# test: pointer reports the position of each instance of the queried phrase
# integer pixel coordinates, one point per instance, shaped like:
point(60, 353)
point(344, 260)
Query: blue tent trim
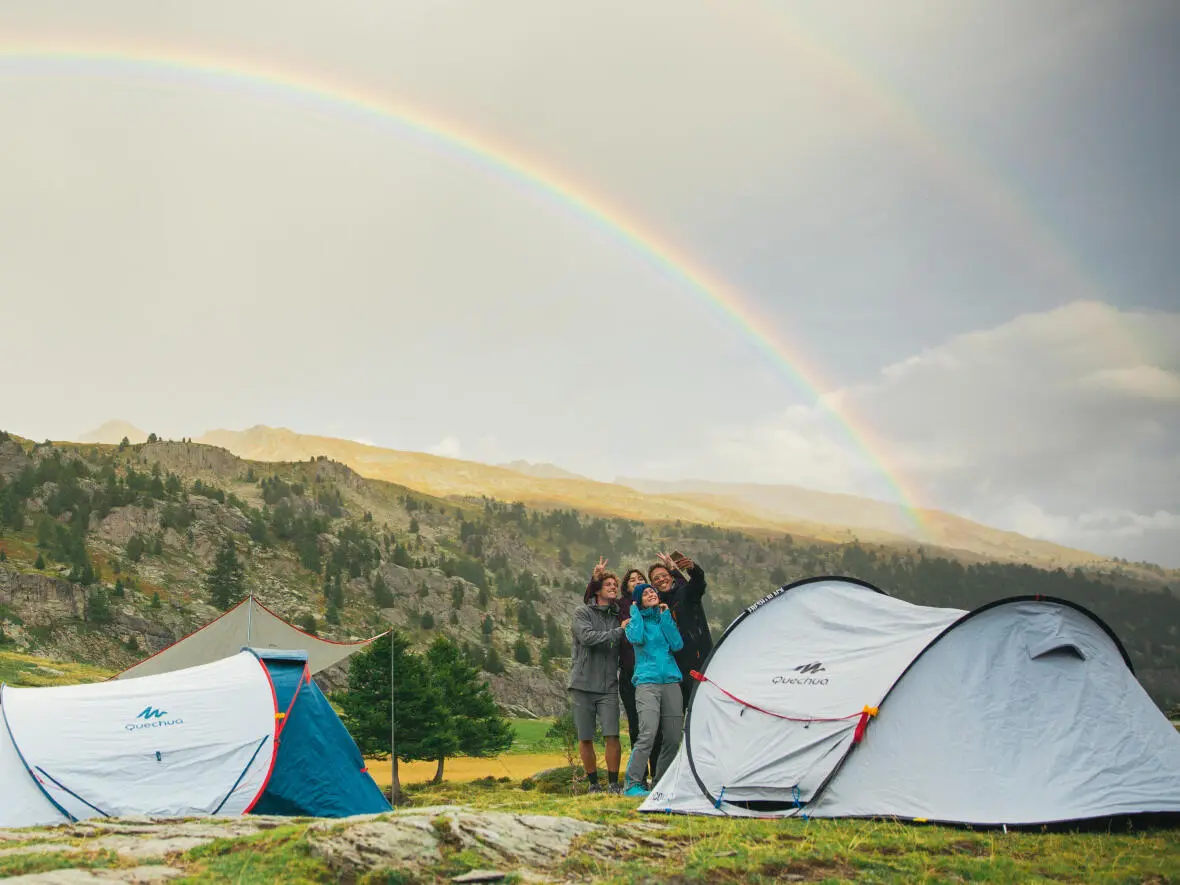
point(318, 770)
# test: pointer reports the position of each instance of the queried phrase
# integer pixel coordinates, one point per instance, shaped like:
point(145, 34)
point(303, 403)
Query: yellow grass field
point(468, 768)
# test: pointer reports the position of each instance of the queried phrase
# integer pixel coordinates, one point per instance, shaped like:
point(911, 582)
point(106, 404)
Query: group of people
point(637, 639)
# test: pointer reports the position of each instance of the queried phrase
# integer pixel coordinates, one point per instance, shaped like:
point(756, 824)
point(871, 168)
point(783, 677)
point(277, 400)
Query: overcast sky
point(963, 220)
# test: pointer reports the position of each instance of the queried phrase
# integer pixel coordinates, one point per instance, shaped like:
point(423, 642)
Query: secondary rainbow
point(499, 158)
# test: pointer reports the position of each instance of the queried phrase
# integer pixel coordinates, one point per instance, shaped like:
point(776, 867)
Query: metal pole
point(249, 619)
point(393, 725)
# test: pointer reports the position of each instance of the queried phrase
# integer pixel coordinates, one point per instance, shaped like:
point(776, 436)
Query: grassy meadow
point(650, 849)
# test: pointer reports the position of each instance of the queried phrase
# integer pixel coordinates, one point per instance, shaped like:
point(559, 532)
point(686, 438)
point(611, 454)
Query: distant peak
point(541, 470)
point(113, 432)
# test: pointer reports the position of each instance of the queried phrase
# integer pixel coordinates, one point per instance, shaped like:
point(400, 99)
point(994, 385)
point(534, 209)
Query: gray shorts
point(589, 705)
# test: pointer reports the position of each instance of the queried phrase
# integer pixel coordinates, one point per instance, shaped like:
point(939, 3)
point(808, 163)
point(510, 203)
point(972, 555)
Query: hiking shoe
point(594, 788)
point(615, 789)
point(636, 790)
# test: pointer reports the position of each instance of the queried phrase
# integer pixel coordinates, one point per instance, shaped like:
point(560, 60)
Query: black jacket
point(684, 600)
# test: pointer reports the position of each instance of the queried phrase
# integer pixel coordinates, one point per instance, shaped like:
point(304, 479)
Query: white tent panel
point(198, 741)
point(818, 654)
point(249, 623)
point(22, 804)
point(1026, 713)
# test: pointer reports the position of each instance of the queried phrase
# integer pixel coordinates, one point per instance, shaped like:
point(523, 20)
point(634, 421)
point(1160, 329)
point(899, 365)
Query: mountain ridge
point(727, 504)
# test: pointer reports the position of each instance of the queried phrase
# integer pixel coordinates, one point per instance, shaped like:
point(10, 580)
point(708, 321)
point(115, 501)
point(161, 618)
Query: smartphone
point(678, 557)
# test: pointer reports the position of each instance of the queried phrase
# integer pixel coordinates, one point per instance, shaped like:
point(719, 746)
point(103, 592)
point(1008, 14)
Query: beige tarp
point(249, 623)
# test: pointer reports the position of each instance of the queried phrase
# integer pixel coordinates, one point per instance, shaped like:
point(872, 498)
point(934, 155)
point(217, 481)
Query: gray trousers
point(658, 707)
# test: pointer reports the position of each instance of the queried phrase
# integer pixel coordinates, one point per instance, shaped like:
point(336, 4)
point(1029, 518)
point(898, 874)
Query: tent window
point(1060, 650)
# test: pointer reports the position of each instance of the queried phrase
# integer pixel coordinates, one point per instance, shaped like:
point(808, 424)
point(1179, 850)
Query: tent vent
point(1057, 649)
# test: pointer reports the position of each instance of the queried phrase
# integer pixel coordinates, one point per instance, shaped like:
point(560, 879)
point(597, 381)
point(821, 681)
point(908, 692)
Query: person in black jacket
point(684, 598)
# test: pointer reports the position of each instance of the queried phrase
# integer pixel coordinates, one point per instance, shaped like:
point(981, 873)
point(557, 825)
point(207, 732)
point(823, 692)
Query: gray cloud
point(1062, 425)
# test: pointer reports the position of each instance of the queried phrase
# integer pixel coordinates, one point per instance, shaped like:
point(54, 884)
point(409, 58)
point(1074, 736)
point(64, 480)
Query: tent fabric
point(245, 733)
point(248, 624)
point(831, 699)
point(319, 771)
point(199, 741)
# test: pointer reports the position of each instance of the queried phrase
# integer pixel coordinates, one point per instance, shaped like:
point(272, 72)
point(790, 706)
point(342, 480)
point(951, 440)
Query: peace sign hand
point(599, 569)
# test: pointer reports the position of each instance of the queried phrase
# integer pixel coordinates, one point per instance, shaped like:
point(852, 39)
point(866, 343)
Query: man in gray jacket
point(594, 680)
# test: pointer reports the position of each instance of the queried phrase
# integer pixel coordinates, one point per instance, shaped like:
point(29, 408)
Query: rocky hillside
point(775, 508)
point(106, 553)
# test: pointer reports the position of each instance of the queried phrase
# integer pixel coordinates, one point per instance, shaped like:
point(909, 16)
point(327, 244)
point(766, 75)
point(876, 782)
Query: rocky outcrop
point(12, 459)
point(189, 459)
point(410, 841)
point(544, 695)
point(39, 600)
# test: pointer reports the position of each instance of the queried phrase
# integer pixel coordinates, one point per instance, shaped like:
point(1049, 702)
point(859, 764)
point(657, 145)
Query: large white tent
point(250, 732)
point(198, 741)
point(249, 623)
point(829, 698)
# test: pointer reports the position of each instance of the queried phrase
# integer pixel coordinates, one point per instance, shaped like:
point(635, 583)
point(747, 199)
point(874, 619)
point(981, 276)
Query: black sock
point(612, 777)
point(593, 775)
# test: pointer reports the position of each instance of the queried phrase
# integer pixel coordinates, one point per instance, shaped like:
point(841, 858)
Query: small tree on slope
point(423, 726)
point(225, 581)
point(475, 717)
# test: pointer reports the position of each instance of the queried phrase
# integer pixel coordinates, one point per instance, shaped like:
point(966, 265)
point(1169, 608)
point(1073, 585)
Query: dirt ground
point(464, 768)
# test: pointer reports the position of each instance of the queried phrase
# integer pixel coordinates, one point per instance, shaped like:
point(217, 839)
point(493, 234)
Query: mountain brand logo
point(152, 717)
point(808, 675)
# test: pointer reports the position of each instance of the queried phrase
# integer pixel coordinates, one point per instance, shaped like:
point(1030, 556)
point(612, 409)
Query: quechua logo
point(808, 675)
point(152, 717)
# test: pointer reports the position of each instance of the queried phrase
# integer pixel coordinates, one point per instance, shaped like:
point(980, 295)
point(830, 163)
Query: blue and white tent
point(248, 733)
point(829, 698)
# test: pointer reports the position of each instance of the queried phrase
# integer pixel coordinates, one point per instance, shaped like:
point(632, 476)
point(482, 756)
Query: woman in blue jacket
point(658, 701)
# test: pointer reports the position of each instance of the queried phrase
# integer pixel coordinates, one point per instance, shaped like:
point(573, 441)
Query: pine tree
point(40, 563)
point(423, 729)
point(476, 719)
point(98, 606)
point(522, 652)
point(225, 581)
point(381, 593)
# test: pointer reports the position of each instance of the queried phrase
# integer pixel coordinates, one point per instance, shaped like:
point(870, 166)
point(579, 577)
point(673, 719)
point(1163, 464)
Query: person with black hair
point(594, 680)
point(681, 585)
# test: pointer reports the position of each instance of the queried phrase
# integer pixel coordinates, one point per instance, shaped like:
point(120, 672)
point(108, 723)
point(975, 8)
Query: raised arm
point(695, 588)
point(671, 631)
point(595, 583)
point(634, 629)
point(582, 629)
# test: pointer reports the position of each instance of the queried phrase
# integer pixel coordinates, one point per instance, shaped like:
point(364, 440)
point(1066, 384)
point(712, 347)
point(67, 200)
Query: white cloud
point(1146, 381)
point(447, 447)
point(1063, 425)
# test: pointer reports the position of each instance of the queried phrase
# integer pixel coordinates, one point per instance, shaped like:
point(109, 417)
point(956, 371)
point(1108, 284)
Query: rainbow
point(723, 300)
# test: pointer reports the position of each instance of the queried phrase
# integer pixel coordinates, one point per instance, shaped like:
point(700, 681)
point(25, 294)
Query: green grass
point(276, 856)
point(681, 850)
point(704, 850)
point(27, 864)
point(18, 669)
point(530, 737)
